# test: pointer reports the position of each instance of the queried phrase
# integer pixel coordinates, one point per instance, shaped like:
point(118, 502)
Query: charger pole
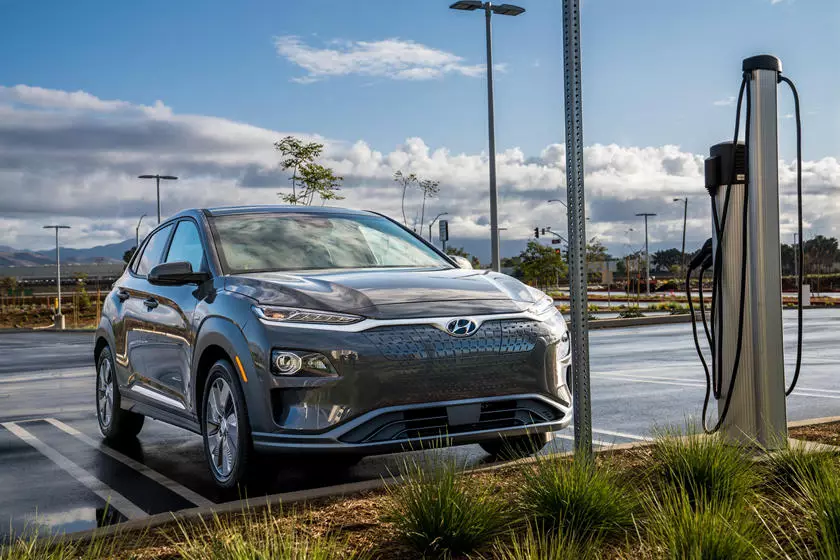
point(765, 282)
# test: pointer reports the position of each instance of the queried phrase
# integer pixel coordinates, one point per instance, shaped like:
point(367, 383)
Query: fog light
point(286, 363)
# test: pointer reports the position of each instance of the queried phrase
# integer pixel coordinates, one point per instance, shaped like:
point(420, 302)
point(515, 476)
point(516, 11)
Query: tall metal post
point(58, 319)
point(577, 228)
point(158, 197)
point(491, 125)
point(765, 282)
point(647, 253)
point(685, 223)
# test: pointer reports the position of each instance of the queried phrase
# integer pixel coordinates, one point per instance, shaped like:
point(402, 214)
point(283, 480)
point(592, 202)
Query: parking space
point(59, 475)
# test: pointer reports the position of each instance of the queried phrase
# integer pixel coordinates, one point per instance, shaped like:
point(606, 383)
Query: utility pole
point(58, 319)
point(489, 10)
point(157, 179)
point(685, 222)
point(647, 253)
point(137, 233)
point(433, 223)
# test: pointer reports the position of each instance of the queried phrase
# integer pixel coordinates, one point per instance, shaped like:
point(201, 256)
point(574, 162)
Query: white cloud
point(79, 165)
point(389, 58)
point(726, 102)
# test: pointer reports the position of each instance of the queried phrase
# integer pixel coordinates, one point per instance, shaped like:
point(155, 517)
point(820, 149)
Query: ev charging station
point(747, 375)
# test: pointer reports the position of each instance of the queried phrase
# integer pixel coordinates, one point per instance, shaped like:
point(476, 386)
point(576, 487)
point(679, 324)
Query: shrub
point(684, 529)
point(704, 467)
point(32, 546)
point(583, 502)
point(439, 510)
point(256, 537)
point(795, 467)
point(537, 545)
point(824, 524)
point(631, 312)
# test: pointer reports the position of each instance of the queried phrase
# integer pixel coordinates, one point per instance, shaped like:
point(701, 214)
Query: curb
point(813, 421)
point(641, 321)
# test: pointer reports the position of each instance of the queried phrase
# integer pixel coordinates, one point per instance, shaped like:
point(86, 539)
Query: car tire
point(515, 447)
point(226, 431)
point(115, 423)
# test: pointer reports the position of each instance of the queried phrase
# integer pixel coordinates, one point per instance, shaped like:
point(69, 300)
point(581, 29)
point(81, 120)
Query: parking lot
point(57, 473)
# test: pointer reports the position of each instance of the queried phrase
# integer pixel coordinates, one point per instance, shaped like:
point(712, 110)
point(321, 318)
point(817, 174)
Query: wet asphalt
point(57, 475)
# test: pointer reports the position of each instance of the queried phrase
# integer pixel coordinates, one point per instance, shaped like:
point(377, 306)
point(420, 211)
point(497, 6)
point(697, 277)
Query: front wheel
point(515, 447)
point(115, 423)
point(227, 435)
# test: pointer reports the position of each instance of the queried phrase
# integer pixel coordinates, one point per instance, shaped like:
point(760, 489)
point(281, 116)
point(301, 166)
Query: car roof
point(271, 209)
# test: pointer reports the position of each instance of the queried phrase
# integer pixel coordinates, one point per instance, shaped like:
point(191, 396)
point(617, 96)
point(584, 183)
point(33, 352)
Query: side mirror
point(176, 274)
point(461, 262)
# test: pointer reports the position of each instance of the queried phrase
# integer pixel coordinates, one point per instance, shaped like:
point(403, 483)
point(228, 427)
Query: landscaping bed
point(828, 433)
point(681, 497)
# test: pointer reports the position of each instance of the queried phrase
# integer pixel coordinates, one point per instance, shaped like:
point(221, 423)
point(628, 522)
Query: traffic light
point(536, 233)
point(558, 252)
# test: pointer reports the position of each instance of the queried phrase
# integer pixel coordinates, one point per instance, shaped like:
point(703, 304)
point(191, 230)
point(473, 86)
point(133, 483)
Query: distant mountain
point(113, 252)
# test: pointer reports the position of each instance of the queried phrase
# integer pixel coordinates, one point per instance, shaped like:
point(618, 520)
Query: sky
point(94, 93)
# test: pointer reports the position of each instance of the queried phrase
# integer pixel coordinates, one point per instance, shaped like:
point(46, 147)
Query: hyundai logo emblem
point(461, 327)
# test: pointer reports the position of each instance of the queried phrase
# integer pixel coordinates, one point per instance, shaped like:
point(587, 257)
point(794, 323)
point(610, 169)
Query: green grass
point(576, 500)
point(823, 497)
point(29, 546)
point(438, 510)
point(705, 468)
point(681, 528)
point(795, 467)
point(537, 545)
point(256, 536)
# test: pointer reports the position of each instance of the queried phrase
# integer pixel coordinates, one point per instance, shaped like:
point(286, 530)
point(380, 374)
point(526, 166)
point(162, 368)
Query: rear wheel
point(515, 447)
point(115, 423)
point(227, 435)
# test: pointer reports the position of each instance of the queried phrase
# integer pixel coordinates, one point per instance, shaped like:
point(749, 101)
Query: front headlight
point(543, 305)
point(293, 315)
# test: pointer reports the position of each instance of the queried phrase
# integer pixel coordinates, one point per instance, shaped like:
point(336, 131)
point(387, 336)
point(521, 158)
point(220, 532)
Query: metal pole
point(685, 223)
point(795, 261)
point(58, 270)
point(577, 229)
point(494, 213)
point(765, 281)
point(647, 260)
point(157, 179)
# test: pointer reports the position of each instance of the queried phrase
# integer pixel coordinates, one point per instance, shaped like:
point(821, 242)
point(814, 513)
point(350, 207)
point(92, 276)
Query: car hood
point(388, 294)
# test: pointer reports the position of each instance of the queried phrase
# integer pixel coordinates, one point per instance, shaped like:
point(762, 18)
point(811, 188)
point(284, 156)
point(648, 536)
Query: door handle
point(151, 303)
point(123, 295)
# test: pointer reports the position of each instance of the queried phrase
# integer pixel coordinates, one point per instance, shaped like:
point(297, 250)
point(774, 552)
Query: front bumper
point(405, 385)
point(427, 425)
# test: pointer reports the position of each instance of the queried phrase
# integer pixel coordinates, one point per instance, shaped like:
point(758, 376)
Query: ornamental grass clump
point(794, 467)
point(257, 536)
point(704, 468)
point(577, 500)
point(679, 527)
point(439, 510)
point(823, 498)
point(538, 545)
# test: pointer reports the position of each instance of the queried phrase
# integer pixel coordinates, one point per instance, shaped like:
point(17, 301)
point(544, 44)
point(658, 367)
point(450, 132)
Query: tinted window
point(153, 251)
point(310, 242)
point(186, 246)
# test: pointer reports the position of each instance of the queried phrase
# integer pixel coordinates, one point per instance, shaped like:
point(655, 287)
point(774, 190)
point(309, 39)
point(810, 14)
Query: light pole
point(647, 253)
point(796, 260)
point(489, 10)
point(558, 200)
point(685, 222)
point(137, 233)
point(157, 179)
point(58, 320)
point(433, 223)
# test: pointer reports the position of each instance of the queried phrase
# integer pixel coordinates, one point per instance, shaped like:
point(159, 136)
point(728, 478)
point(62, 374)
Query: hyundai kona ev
point(299, 329)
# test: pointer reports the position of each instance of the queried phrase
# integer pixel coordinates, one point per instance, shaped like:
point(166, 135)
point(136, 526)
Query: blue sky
point(656, 72)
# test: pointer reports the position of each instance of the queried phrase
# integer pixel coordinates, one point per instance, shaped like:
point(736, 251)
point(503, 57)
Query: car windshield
point(293, 241)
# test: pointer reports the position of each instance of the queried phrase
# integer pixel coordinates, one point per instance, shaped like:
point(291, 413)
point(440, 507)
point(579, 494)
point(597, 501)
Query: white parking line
point(622, 434)
point(182, 491)
point(643, 380)
point(111, 496)
point(51, 376)
point(39, 412)
point(572, 438)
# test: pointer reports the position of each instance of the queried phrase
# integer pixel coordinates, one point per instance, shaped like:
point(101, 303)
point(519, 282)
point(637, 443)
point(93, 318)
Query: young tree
point(666, 258)
point(430, 189)
point(319, 180)
point(457, 251)
point(298, 156)
point(406, 181)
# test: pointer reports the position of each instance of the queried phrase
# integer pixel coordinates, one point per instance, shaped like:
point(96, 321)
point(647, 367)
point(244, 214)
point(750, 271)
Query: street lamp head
point(468, 5)
point(507, 10)
point(169, 177)
point(56, 227)
point(145, 176)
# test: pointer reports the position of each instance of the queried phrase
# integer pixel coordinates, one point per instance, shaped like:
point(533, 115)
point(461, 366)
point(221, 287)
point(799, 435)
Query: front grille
point(434, 421)
point(425, 342)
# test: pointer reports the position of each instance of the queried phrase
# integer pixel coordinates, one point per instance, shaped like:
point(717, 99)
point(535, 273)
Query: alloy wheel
point(105, 393)
point(222, 428)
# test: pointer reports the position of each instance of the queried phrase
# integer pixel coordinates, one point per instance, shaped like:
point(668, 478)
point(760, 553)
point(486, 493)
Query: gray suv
point(300, 329)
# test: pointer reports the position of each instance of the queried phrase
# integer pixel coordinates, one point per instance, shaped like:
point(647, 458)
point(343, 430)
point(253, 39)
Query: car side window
point(186, 246)
point(153, 252)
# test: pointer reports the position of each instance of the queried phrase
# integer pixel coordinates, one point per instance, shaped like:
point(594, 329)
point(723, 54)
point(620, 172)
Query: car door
point(138, 338)
point(170, 321)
